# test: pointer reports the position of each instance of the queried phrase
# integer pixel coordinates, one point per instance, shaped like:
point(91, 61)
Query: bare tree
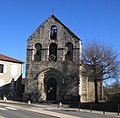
point(100, 63)
point(114, 88)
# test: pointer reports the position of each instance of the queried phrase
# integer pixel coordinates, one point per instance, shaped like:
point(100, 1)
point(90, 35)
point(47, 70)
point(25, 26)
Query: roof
point(6, 58)
point(57, 20)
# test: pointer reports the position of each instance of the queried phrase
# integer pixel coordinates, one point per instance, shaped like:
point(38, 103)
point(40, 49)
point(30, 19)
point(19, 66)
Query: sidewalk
point(42, 111)
point(52, 113)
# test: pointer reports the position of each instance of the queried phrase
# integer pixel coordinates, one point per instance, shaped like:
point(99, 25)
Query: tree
point(114, 88)
point(100, 62)
point(112, 91)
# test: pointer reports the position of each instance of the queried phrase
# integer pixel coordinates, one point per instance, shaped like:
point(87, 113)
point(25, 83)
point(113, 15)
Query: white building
point(10, 77)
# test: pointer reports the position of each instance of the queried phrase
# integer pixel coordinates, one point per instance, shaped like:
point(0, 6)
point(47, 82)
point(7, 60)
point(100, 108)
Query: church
point(53, 65)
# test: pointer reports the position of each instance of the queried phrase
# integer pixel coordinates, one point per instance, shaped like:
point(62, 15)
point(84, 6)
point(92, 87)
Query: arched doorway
point(51, 89)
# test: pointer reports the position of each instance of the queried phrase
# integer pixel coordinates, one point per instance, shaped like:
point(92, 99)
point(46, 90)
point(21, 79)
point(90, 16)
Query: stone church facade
point(53, 65)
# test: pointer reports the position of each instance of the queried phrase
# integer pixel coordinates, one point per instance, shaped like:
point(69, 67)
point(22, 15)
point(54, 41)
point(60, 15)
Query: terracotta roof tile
point(6, 58)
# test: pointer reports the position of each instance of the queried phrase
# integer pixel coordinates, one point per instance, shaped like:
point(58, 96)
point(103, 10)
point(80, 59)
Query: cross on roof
point(53, 10)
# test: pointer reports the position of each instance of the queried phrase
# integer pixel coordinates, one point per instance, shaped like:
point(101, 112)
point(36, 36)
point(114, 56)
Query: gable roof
point(6, 58)
point(57, 20)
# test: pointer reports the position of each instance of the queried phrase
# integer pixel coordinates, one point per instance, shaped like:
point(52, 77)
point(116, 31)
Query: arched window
point(53, 52)
point(69, 51)
point(37, 56)
point(53, 33)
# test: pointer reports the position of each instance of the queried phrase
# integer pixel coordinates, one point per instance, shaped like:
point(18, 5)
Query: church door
point(51, 89)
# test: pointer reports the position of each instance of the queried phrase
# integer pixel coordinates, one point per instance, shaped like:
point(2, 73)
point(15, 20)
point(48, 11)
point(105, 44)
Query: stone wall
point(65, 72)
point(88, 90)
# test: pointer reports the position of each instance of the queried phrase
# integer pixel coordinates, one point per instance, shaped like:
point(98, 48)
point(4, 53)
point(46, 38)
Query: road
point(22, 110)
point(84, 114)
point(11, 112)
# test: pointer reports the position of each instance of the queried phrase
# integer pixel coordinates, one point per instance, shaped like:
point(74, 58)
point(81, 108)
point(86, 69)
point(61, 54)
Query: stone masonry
point(53, 62)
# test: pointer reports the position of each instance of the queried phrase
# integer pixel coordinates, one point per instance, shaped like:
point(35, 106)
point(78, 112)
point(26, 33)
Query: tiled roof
point(6, 58)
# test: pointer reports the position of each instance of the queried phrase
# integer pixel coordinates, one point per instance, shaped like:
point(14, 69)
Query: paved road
point(11, 112)
point(77, 113)
point(21, 110)
point(83, 114)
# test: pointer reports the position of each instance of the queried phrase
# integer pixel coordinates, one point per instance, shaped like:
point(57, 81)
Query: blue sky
point(89, 19)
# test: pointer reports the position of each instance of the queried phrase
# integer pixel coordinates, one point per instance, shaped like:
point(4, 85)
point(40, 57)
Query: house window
point(1, 68)
point(53, 52)
point(53, 33)
point(69, 51)
point(38, 48)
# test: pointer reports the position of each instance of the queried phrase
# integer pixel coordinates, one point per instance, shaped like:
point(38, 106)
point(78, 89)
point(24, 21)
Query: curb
point(45, 112)
point(55, 114)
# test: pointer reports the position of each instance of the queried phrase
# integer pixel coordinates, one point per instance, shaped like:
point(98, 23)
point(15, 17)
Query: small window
point(53, 33)
point(53, 52)
point(69, 51)
point(1, 68)
point(37, 56)
point(37, 53)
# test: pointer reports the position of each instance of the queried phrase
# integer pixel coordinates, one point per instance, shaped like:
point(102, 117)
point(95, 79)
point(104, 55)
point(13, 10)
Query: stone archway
point(51, 89)
point(49, 84)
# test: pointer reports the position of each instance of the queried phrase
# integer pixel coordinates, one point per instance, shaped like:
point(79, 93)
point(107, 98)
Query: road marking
point(45, 108)
point(2, 108)
point(11, 108)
